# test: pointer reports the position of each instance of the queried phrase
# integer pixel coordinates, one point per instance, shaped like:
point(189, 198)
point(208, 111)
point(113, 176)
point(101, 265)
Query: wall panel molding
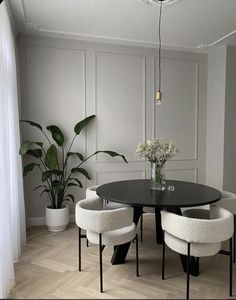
point(171, 114)
point(143, 100)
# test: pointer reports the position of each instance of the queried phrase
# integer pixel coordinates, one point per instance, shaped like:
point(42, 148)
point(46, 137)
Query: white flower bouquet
point(157, 150)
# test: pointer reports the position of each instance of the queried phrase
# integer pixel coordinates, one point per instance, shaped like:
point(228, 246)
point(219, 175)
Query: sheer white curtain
point(12, 211)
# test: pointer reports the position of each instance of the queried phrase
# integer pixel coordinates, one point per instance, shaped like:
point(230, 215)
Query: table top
point(138, 193)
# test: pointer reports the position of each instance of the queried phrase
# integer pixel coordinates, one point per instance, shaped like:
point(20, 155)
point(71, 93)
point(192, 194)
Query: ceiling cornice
point(33, 28)
point(204, 46)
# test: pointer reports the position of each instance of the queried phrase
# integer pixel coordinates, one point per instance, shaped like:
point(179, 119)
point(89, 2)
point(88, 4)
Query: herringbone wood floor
point(48, 270)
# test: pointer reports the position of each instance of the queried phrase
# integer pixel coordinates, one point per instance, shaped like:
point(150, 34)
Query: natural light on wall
point(12, 218)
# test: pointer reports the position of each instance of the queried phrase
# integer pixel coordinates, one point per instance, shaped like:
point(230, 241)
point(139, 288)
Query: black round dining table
point(138, 193)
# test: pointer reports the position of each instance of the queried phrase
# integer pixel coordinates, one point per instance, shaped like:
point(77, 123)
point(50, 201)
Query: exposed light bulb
point(158, 97)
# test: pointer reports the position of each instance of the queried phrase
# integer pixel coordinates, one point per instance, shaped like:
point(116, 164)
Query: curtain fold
point(12, 210)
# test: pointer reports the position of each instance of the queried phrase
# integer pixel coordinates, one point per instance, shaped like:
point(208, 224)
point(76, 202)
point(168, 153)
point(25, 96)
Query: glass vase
point(158, 181)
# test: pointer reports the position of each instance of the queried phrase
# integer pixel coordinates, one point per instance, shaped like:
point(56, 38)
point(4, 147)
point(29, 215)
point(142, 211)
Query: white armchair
point(198, 233)
point(105, 227)
point(91, 192)
point(228, 201)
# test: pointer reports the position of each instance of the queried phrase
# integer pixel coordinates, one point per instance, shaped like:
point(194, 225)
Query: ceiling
point(187, 24)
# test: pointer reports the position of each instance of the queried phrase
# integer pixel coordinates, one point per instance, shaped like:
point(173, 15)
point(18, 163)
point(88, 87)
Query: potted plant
point(57, 177)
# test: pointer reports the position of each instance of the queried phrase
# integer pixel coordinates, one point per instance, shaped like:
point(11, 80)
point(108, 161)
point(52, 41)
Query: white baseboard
point(40, 221)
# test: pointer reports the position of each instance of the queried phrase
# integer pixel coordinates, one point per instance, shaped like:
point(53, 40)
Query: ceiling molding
point(103, 38)
point(27, 24)
point(204, 46)
point(33, 28)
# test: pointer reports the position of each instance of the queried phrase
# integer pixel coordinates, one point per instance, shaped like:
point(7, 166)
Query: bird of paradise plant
point(57, 177)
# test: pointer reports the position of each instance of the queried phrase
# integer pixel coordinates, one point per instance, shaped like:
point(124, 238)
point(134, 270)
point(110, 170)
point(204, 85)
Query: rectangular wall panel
point(120, 103)
point(182, 174)
point(176, 118)
point(105, 177)
point(56, 88)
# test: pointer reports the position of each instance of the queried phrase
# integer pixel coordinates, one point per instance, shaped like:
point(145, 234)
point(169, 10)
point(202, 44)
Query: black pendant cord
point(159, 50)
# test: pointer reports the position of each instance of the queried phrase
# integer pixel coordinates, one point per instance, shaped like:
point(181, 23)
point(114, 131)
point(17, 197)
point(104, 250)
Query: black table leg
point(159, 233)
point(120, 252)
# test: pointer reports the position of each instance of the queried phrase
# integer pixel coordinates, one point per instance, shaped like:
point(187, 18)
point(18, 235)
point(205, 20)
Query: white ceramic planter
point(57, 219)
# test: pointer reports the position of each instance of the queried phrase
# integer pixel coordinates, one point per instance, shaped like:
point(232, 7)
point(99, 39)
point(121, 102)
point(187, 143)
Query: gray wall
point(221, 121)
point(216, 116)
point(64, 81)
point(230, 122)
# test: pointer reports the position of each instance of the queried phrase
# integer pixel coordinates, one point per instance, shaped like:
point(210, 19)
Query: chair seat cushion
point(196, 249)
point(115, 237)
point(112, 205)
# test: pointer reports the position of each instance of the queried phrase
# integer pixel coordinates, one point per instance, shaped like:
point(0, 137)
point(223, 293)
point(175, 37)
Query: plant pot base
point(57, 219)
point(56, 228)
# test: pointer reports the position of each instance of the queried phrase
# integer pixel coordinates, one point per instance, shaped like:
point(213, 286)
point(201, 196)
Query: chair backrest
point(228, 201)
point(90, 216)
point(91, 191)
point(194, 227)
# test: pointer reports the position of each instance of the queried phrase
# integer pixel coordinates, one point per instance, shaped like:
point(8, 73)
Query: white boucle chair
point(198, 233)
point(91, 192)
point(228, 201)
point(105, 227)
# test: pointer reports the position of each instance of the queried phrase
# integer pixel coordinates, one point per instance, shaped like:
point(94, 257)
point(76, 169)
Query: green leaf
point(35, 153)
point(39, 144)
point(40, 186)
point(57, 172)
point(46, 175)
point(28, 168)
point(76, 180)
point(33, 124)
point(82, 171)
point(51, 160)
point(57, 186)
point(71, 197)
point(44, 191)
point(25, 147)
point(112, 154)
point(79, 126)
point(80, 156)
point(72, 184)
point(57, 135)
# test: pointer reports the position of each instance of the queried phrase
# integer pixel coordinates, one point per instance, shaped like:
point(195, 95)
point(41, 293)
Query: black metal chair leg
point(230, 268)
point(137, 258)
point(234, 237)
point(188, 267)
point(100, 259)
point(163, 259)
point(141, 227)
point(79, 248)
